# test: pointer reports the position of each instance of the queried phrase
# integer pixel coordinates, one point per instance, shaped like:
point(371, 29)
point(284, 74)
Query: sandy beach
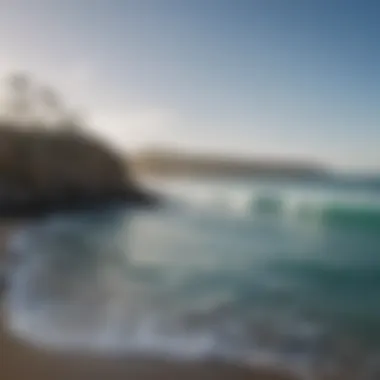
point(20, 361)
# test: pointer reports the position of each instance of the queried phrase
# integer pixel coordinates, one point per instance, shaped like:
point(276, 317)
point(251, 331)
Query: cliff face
point(38, 164)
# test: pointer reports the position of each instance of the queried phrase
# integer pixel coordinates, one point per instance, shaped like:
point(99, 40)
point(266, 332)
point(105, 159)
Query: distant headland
point(171, 163)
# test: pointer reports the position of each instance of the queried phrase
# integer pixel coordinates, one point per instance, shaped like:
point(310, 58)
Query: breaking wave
point(299, 205)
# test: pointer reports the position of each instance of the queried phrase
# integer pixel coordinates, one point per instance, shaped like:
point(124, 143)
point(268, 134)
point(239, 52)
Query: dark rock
point(64, 202)
point(45, 171)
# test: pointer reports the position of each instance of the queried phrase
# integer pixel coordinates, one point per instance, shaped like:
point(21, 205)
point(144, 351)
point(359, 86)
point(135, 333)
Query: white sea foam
point(289, 204)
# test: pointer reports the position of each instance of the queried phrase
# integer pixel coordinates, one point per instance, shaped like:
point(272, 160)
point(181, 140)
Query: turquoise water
point(280, 273)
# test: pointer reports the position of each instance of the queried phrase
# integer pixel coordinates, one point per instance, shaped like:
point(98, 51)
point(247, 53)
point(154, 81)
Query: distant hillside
point(171, 163)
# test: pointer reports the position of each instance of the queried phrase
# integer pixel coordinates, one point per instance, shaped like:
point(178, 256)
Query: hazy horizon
point(240, 78)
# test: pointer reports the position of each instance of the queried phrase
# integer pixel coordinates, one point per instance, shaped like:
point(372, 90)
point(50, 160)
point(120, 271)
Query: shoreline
point(21, 361)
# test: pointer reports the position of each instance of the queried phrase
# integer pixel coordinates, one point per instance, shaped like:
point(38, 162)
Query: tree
point(30, 103)
point(19, 105)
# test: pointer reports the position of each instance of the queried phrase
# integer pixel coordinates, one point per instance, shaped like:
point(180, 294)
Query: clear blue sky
point(288, 78)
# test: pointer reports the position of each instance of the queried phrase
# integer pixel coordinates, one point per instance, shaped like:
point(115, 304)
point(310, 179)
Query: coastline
point(20, 361)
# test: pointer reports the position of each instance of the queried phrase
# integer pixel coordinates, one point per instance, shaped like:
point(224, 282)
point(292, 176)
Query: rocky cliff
point(44, 170)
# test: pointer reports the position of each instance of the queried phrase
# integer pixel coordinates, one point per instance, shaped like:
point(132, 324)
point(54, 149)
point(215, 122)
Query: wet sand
point(20, 361)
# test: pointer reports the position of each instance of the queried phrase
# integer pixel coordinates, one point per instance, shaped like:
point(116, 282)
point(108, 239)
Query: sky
point(273, 78)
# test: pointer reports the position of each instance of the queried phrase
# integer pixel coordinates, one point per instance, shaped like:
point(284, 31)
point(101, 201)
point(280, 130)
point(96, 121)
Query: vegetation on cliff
point(49, 162)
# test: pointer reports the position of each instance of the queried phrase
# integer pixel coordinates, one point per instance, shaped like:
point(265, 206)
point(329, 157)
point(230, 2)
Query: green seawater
point(237, 270)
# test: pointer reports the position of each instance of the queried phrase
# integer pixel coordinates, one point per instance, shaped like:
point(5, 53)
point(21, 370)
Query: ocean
point(259, 272)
